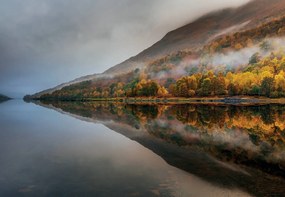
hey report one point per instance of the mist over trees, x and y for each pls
(248, 63)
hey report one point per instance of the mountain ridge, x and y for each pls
(181, 38)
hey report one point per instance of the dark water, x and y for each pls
(103, 149)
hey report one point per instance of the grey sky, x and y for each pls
(46, 42)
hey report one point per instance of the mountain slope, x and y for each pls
(200, 32)
(195, 36)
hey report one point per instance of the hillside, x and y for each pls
(192, 41)
(205, 29)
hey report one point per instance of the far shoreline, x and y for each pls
(173, 100)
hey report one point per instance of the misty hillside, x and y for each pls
(207, 28)
(244, 28)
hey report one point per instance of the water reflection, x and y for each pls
(229, 146)
(45, 153)
(3, 101)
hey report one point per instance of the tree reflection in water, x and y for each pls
(228, 145)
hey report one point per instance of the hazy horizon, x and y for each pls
(45, 43)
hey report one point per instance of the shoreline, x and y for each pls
(177, 100)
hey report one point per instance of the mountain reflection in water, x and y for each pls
(230, 146)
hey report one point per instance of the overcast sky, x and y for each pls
(47, 42)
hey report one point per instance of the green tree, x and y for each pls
(255, 58)
(205, 89)
(255, 90)
(218, 85)
(232, 89)
(267, 86)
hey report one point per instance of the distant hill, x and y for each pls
(192, 40)
(3, 98)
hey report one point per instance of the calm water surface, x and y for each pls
(91, 149)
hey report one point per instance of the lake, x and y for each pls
(115, 149)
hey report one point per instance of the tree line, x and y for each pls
(262, 77)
